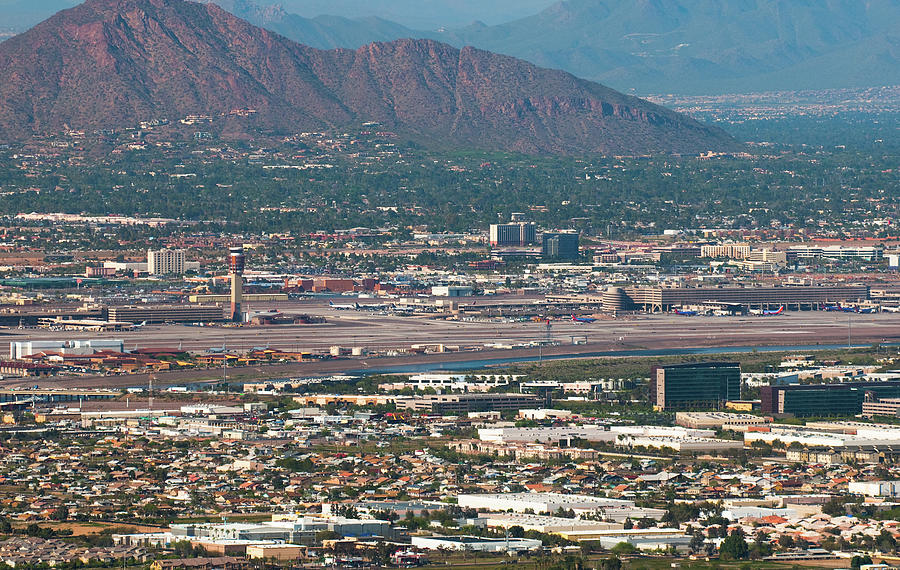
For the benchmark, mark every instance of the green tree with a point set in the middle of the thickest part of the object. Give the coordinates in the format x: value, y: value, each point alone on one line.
x: 623, y: 548
x: 611, y: 564
x: 734, y: 547
x: 60, y: 514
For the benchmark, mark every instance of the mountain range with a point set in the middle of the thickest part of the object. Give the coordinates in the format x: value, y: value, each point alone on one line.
x: 666, y: 46
x: 637, y: 46
x: 112, y: 63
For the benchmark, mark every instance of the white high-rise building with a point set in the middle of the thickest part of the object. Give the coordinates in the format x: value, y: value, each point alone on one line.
x: 165, y: 261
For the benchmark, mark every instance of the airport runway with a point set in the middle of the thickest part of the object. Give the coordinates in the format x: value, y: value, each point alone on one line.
x: 382, y: 332
x: 385, y: 332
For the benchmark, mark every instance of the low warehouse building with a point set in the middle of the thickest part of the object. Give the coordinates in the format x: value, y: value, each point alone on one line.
x: 476, y: 544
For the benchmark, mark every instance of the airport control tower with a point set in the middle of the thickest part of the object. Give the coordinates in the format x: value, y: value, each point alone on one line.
x: 236, y: 267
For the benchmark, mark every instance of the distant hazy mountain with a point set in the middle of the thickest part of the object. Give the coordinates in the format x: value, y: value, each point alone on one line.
x: 660, y: 46
x: 421, y: 14
x: 642, y: 46
x: 113, y: 63
x: 323, y: 32
x: 707, y: 46
x: 19, y: 15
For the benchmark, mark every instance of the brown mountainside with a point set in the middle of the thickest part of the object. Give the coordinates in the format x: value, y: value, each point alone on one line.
x: 113, y: 63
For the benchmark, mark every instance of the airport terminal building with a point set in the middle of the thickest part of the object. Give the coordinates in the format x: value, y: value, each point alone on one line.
x: 663, y: 299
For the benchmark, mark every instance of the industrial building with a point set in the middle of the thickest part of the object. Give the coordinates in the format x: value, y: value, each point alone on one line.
x: 453, y: 382
x: 538, y: 502
x: 20, y: 349
x: 719, y: 420
x: 875, y: 488
x: 464, y: 403
x: 476, y: 543
x: 641, y: 538
x: 843, y: 399
x: 167, y: 313
x: 677, y: 438
x: 545, y: 523
x: 695, y: 386
x: 289, y: 528
x: 513, y: 234
x: 843, y: 438
x: 559, y: 245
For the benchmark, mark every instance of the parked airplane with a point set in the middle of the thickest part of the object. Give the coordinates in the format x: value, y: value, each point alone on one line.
x: 139, y: 327
x: 766, y: 312
x: 347, y: 307
x: 583, y: 320
x: 686, y: 313
x: 375, y: 307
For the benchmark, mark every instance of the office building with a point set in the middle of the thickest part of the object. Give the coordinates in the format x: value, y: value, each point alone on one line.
x: 767, y: 256
x: 729, y: 250
x: 165, y: 261
x: 560, y: 245
x: 514, y: 234
x: 885, y: 407
x: 861, y: 253
x: 844, y: 399
x: 696, y: 386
